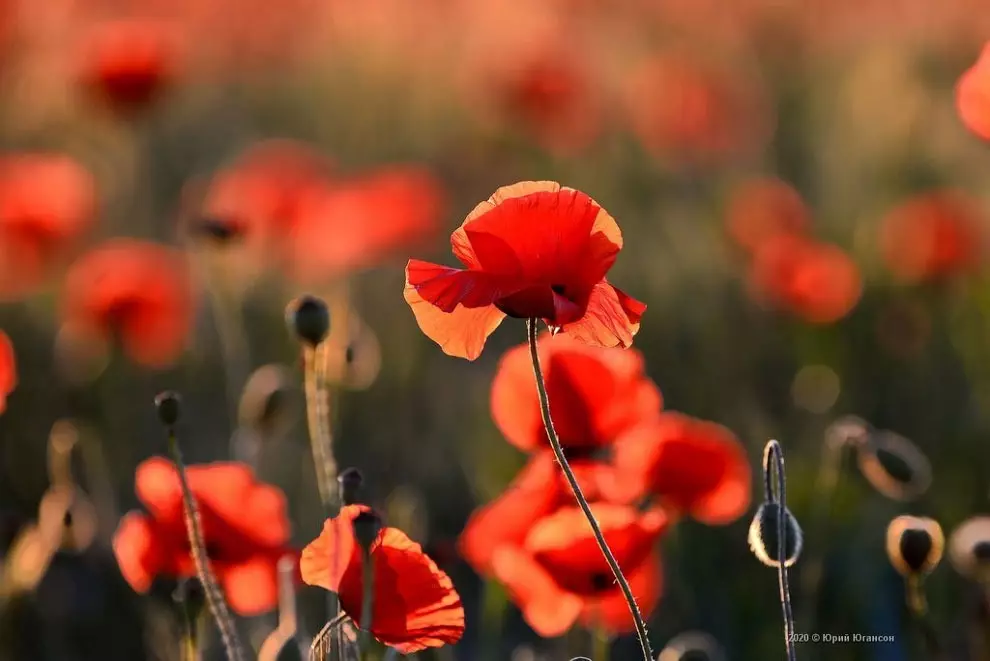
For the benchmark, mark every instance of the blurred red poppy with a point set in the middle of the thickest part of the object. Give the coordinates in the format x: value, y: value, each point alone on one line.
x: 353, y: 222
x: 931, y: 236
x: 47, y: 202
x: 816, y: 281
x: 534, y: 249
x: 558, y: 575
x: 415, y: 605
x: 8, y: 370
x: 594, y: 393
x: 245, y: 529
x: 762, y: 208
x: 129, y: 62
x: 136, y: 291
x: 973, y: 95
x: 696, y: 467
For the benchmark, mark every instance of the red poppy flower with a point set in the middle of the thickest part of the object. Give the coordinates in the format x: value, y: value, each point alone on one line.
x: 245, y: 529
x: 47, y: 203
x: 352, y: 223
x: 816, y: 281
x: 973, y: 96
x: 136, y: 290
x: 934, y: 235
x: 558, y: 576
x: 594, y: 393
x: 414, y: 606
x: 129, y: 62
x: 534, y: 249
x: 8, y: 370
x: 763, y: 208
x: 696, y: 467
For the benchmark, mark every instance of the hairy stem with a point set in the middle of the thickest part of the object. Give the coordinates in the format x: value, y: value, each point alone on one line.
x: 773, y: 476
x: 194, y: 528
x: 558, y: 451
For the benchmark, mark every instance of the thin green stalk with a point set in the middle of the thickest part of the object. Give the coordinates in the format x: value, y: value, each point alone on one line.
x: 558, y: 451
x: 367, y: 603
x: 602, y: 644
x: 918, y: 606
x: 773, y: 475
x: 194, y: 528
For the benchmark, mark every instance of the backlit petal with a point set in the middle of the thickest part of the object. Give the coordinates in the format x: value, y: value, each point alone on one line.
x: 612, y: 318
x: 548, y: 609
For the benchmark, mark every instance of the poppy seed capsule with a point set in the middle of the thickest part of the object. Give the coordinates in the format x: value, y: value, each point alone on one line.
x: 350, y: 481
x: 969, y: 548
x: 309, y: 318
x: 169, y: 407
x: 763, y: 536
x: 914, y: 545
x: 894, y: 466
x: 367, y: 525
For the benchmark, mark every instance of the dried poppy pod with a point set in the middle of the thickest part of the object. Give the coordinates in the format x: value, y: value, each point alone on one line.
x: 969, y: 548
x: 895, y: 466
x: 268, y: 401
x: 309, y: 318
x: 763, y: 536
x: 692, y: 646
x: 914, y: 545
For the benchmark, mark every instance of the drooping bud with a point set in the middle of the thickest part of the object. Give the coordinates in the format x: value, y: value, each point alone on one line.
x: 350, y: 481
x: 763, y: 538
x: 914, y: 545
x: 169, y: 405
x: 367, y: 525
x: 309, y: 318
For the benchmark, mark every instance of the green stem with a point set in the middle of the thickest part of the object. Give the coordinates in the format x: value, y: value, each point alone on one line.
x: 773, y: 475
x: 367, y: 603
x: 918, y: 605
x: 602, y: 644
x: 194, y: 528
x: 558, y: 451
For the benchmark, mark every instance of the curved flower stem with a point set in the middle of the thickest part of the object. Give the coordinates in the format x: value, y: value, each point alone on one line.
x: 558, y: 451
x: 318, y: 418
x: 918, y: 605
x: 773, y: 475
x: 194, y: 528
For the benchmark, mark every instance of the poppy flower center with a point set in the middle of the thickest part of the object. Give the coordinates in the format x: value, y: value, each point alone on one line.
x: 558, y: 289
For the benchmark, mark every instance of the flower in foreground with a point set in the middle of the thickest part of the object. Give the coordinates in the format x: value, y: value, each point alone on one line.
x: 973, y: 96
x: 8, y: 370
x: 415, y: 605
x: 245, y: 528
x: 532, y: 250
x: 136, y: 291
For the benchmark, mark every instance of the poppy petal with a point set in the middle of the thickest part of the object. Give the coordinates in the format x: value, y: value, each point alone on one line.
x: 316, y: 565
x: 612, y: 318
x: 548, y: 609
x: 251, y: 587
x: 138, y: 553
x: 462, y: 330
x: 157, y: 486
x: 611, y: 611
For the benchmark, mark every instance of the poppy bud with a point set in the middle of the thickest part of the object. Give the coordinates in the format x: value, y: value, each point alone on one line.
x: 969, y: 548
x: 309, y: 318
x: 692, y: 646
x: 894, y: 466
x: 914, y: 544
x: 763, y: 536
x: 350, y: 481
x: 169, y: 407
x: 190, y: 596
x: 367, y: 525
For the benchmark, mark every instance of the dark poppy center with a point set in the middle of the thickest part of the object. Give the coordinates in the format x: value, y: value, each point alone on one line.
x: 896, y: 465
x: 558, y: 289
x: 981, y: 551
x: 601, y: 581
x: 916, y: 545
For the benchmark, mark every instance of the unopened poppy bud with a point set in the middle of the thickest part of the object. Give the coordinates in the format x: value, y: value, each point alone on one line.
x: 309, y: 318
x: 367, y: 525
x: 350, y: 481
x: 169, y: 405
x: 969, y: 548
x: 763, y: 539
x: 692, y: 646
x: 894, y: 466
x: 914, y: 545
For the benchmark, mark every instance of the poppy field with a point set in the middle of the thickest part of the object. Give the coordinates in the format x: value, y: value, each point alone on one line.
x: 479, y: 330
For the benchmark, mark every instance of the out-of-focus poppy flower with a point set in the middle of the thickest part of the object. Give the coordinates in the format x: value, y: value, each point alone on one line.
x: 415, y: 605
x: 136, y: 291
x: 353, y: 222
x: 684, y: 109
x: 245, y: 528
x: 128, y: 62
x: 932, y: 236
x: 558, y: 575
x: 815, y: 281
x: 763, y: 208
x: 8, y: 370
x: 696, y: 467
x: 534, y: 249
x: 47, y: 202
x: 595, y: 393
x: 973, y: 95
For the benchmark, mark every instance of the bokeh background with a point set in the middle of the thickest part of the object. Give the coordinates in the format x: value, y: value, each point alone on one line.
x: 689, y: 121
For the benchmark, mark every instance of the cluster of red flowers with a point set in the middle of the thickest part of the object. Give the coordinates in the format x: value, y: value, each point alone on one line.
x: 788, y: 267
x: 640, y: 467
